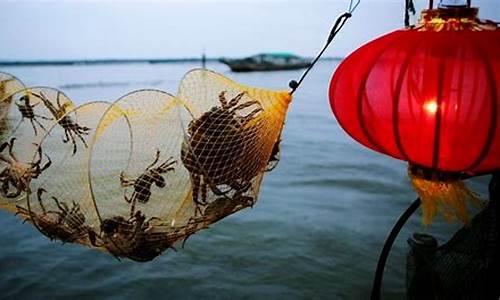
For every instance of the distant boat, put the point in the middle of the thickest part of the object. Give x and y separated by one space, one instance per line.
267 62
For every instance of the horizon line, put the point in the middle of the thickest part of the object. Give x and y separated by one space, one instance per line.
70 62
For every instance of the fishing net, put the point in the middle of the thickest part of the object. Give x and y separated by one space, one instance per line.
138 176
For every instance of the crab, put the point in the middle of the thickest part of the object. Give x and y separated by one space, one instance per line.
134 238
27 112
65 224
215 211
18 174
224 206
214 147
142 184
71 128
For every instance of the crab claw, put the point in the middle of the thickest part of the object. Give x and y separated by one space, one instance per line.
122 178
40 191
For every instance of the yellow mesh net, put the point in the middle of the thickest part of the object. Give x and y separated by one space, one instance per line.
139 175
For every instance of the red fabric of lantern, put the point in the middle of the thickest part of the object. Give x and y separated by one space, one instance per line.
428 95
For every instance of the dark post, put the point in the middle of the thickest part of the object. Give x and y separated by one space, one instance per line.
465 267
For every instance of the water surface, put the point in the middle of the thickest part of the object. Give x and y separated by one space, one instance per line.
316 231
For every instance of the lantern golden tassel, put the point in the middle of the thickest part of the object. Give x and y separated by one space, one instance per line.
444 194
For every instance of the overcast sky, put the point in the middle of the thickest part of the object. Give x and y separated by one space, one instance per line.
161 29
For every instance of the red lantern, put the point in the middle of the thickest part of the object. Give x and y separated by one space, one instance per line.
429 95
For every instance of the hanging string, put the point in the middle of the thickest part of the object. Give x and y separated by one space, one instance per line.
339 23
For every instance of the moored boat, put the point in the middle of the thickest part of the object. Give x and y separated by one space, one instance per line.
267 62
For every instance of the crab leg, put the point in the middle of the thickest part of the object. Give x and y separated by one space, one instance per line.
132 202
62 208
93 238
48 104
79 135
14 194
5 159
203 191
222 99
72 139
11 147
236 99
157 157
252 114
27 215
65 140
18 124
165 167
196 188
5 187
39 197
31 106
58 100
244 105
43 117
126 182
47 165
38 122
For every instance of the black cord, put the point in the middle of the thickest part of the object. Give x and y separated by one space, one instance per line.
339 23
409 8
384 254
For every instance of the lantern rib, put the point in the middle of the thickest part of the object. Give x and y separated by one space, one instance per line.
461 72
396 100
361 93
474 85
412 93
493 123
439 111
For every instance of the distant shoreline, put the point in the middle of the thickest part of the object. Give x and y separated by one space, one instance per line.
113 61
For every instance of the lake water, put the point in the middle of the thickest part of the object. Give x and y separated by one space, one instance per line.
316 232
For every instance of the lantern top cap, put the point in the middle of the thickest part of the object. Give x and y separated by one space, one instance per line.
449 13
453 19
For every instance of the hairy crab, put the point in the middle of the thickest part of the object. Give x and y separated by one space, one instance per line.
142 184
71 127
18 174
27 112
134 238
66 223
214 148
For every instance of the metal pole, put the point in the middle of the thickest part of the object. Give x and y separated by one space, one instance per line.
384 254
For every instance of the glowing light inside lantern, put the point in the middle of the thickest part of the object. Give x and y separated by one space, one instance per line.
431 107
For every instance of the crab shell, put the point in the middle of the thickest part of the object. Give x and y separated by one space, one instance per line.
134 239
214 147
